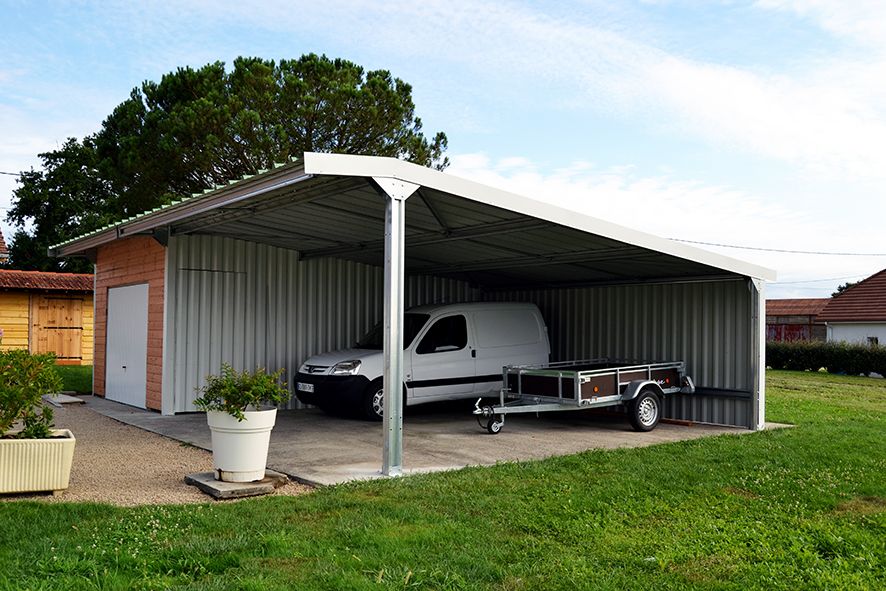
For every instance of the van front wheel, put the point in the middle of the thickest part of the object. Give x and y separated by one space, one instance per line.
374 400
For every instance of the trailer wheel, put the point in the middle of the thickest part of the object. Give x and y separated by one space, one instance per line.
645 410
495 424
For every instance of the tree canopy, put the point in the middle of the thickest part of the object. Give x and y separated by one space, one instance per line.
196 128
843 287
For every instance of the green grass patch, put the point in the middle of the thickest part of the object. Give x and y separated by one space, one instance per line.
77 378
799 508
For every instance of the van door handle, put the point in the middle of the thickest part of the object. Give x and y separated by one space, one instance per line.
474 353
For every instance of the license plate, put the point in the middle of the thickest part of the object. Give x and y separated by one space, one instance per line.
302 387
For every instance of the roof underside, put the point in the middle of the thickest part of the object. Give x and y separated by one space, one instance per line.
447 235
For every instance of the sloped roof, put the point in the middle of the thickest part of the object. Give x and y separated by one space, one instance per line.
796 307
864 302
329 205
11 279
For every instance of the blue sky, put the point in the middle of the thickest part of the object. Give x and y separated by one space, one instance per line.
750 123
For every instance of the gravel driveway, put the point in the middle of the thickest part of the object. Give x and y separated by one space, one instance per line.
123 465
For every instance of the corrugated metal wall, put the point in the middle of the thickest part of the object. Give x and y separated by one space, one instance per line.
250 304
708 325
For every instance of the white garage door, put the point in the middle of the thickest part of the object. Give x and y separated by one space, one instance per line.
127 345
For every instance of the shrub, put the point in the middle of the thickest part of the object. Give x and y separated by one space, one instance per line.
24 379
848 358
234 392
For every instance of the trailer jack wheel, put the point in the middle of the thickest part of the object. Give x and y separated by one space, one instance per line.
495 424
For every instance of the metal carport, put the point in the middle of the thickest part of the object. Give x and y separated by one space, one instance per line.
283 235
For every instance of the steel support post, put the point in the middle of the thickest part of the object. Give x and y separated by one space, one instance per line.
758 352
395 193
392 462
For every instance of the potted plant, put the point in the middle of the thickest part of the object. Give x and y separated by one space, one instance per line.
241 429
33 455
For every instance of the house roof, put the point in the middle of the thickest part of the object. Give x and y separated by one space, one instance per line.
796 307
454 227
863 302
42 280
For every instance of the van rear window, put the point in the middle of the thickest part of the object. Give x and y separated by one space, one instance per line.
502 328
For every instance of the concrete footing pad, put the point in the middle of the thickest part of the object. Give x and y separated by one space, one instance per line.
62 398
217 489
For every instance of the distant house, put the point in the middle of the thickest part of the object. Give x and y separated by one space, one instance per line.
47 313
858 315
4 251
795 319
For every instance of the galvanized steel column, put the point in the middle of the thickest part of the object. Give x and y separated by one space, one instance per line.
758 357
395 213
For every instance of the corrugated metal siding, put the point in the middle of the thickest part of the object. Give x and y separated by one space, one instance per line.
250 304
708 325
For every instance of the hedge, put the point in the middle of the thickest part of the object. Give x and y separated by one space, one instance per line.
844 358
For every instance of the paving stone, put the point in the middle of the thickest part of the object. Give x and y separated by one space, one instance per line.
57 400
218 489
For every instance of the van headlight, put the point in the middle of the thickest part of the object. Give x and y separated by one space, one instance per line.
346 368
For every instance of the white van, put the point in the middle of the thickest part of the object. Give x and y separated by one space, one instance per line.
449 351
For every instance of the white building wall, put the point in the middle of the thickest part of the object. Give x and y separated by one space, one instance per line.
857 332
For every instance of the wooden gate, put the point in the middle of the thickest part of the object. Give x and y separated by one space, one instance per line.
57 327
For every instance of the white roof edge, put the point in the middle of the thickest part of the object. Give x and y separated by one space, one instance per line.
377 166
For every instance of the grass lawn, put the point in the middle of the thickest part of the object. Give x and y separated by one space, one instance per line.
76 377
801 508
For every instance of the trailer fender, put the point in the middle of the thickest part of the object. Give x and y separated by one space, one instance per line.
635 387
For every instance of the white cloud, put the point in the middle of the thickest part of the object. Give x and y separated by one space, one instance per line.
827 118
689 210
861 20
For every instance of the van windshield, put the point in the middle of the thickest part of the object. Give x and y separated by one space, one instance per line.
412 324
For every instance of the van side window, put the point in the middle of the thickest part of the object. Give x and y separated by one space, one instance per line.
447 334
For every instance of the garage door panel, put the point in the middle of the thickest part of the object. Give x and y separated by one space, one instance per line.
127 346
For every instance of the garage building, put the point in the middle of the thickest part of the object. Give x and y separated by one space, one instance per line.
304 258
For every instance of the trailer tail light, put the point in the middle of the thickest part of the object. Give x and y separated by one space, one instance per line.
667 380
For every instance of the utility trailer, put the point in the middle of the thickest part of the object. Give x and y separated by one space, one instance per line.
591 383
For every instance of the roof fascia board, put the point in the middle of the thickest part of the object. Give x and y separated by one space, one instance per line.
376 166
81 245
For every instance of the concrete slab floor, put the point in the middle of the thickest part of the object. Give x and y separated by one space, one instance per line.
315 448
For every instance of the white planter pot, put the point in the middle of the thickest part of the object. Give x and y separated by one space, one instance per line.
32 465
240 448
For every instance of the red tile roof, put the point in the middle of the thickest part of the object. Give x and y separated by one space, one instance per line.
796 307
10 279
864 302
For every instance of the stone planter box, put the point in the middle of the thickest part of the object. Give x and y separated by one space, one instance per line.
32 465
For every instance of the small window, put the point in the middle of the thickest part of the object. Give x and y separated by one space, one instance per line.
873 341
447 334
